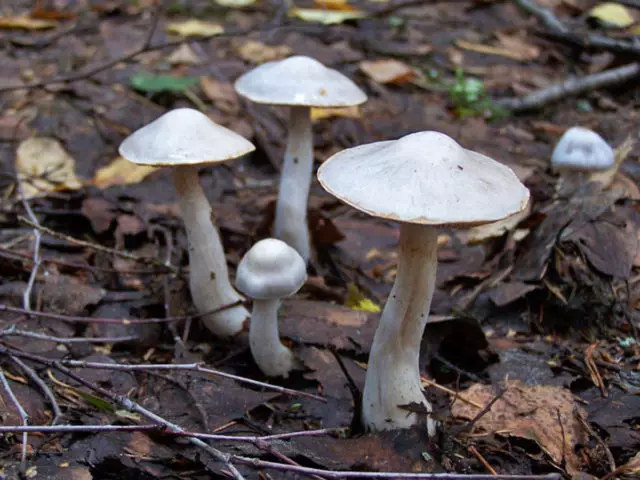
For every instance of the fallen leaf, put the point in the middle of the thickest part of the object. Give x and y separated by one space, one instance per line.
326 17
222 94
509 292
337 5
482 233
184 55
545 414
612 15
492 50
235 3
388 71
357 301
194 28
44 166
335 112
518 46
26 23
99 212
621 153
148 82
258 52
121 172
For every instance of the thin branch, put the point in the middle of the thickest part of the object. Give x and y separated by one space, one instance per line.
571 87
190 367
46 391
546 15
13 332
95 246
112 321
24 417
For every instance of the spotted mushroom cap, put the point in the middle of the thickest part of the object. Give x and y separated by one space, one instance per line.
271 269
582 149
425 178
183 136
299 81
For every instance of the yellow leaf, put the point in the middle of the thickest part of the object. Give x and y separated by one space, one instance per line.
356 301
44 166
26 23
491 50
326 17
235 3
194 28
338 5
387 71
612 15
332 112
257 52
121 172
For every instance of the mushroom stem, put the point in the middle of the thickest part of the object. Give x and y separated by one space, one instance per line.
208 274
273 358
393 374
295 179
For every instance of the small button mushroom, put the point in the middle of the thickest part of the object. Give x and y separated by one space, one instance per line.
185 140
423 181
269 271
580 151
300 83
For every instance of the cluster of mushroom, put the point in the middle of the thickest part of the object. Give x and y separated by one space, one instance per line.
422 181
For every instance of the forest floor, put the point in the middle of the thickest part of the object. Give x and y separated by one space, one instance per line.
530 356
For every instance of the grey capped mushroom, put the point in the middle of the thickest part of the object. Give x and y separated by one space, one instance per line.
300 83
185 140
422 181
270 271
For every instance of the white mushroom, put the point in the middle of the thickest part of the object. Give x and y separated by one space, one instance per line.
424 180
301 83
269 271
186 139
580 151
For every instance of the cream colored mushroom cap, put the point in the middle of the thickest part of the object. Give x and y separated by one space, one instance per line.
183 136
271 269
424 178
583 150
299 81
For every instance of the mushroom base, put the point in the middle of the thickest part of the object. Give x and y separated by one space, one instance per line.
273 358
393 374
208 273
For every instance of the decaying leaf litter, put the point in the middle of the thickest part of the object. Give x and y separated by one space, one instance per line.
547 307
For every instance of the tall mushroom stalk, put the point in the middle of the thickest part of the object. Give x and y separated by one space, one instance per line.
186 139
300 83
208 274
393 373
295 180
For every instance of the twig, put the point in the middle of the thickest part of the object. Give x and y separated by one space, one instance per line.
546 15
95 246
192 367
113 321
13 332
130 405
430 383
24 417
571 87
46 391
482 460
78 428
603 445
350 474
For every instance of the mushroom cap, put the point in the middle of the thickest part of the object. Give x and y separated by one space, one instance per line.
299 81
271 269
424 178
582 149
183 136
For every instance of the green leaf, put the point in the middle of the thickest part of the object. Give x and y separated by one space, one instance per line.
147 82
99 403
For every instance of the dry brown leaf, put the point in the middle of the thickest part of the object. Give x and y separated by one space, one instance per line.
332 112
257 52
26 23
184 55
544 414
388 71
121 172
222 95
521 49
621 152
496 229
339 5
194 28
44 166
502 51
